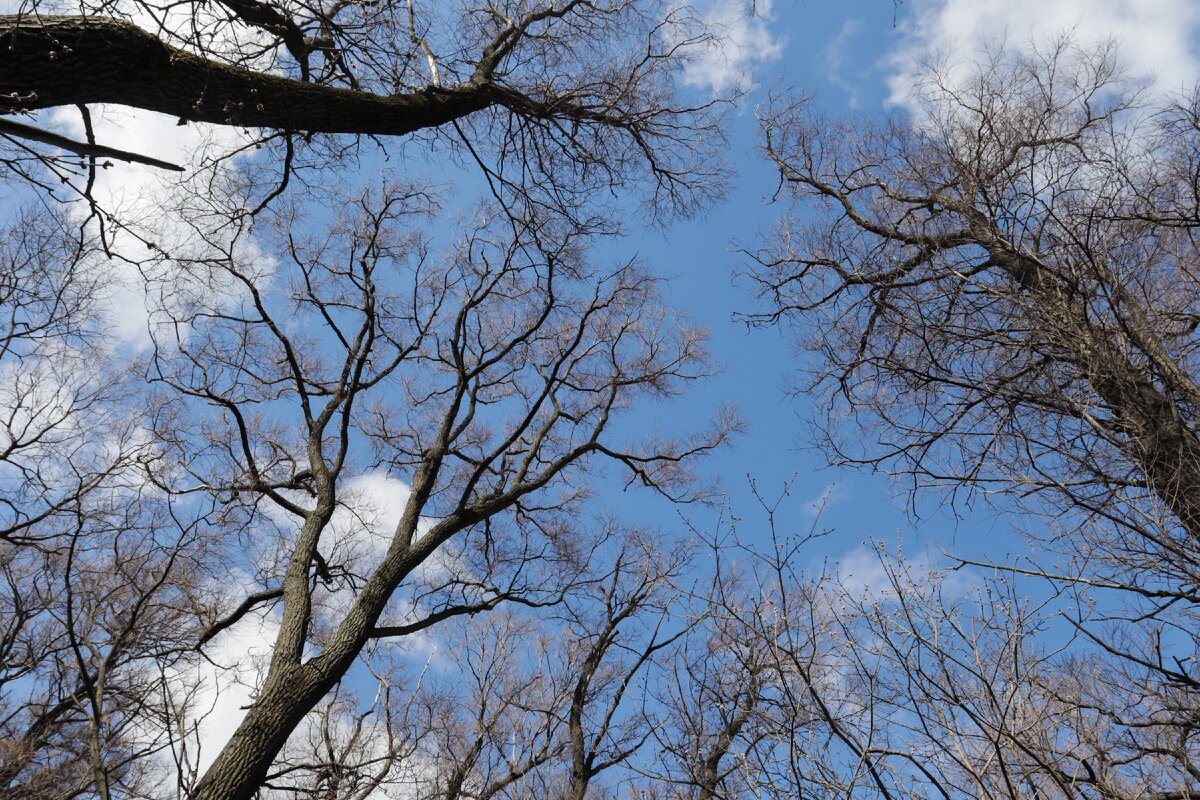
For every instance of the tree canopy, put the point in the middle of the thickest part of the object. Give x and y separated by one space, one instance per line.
318 456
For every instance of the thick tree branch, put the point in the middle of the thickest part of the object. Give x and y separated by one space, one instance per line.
55 61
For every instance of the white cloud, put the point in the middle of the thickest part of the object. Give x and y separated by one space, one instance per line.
864 575
742 39
150 205
373 504
206 696
228 682
365 521
185 217
1157 38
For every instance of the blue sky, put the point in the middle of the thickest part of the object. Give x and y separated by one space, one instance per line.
856 57
839 52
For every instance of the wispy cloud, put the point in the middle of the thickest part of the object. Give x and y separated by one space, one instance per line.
818 505
836 63
872 575
155 224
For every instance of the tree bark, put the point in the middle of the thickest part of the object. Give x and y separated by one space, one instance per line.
1160 442
242 764
56 61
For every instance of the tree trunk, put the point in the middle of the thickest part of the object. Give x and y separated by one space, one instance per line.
241 767
1157 439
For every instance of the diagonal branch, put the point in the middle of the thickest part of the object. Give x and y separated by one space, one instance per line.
56 61
19 130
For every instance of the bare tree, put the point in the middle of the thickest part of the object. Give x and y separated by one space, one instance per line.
1003 290
548 704
491 373
93 614
714 699
971 688
294 382
93 564
1008 276
486 377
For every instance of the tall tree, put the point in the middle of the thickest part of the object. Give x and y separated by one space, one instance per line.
348 416
1003 285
